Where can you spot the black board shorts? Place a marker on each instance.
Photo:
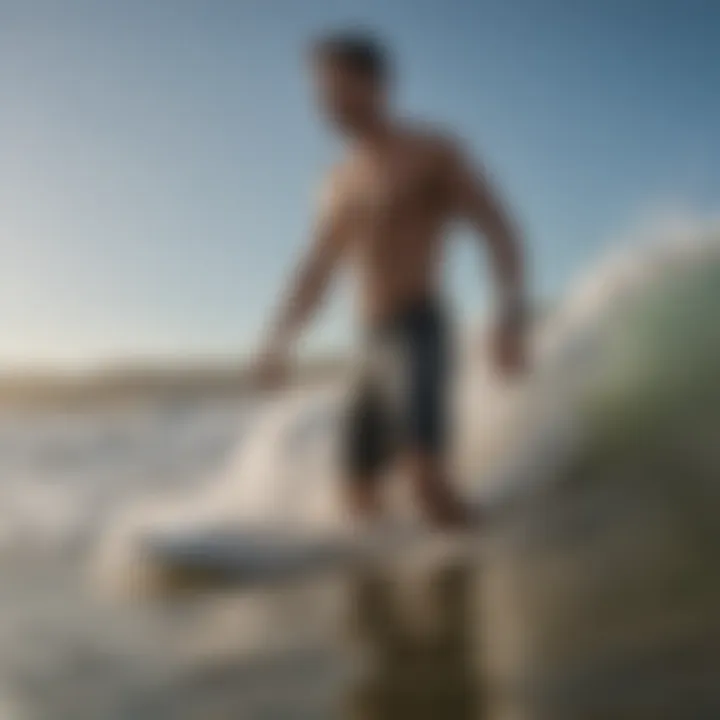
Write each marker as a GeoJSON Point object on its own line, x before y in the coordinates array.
{"type": "Point", "coordinates": [398, 397]}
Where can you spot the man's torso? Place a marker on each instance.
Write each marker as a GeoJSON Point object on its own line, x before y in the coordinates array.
{"type": "Point", "coordinates": [398, 200]}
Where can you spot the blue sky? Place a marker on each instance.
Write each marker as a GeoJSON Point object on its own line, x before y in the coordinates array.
{"type": "Point", "coordinates": [159, 160]}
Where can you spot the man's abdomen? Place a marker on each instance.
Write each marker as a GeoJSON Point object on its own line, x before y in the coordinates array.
{"type": "Point", "coordinates": [397, 275]}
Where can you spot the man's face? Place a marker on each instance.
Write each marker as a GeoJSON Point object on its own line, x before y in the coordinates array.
{"type": "Point", "coordinates": [351, 100]}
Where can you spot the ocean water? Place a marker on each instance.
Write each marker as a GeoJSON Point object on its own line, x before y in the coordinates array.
{"type": "Point", "coordinates": [73, 645]}
{"type": "Point", "coordinates": [592, 593]}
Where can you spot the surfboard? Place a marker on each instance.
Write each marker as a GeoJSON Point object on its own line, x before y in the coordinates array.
{"type": "Point", "coordinates": [255, 556]}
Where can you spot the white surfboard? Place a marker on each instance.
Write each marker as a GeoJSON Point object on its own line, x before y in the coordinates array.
{"type": "Point", "coordinates": [260, 555]}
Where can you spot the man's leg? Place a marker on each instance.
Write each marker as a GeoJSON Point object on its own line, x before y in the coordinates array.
{"type": "Point", "coordinates": [362, 497]}
{"type": "Point", "coordinates": [425, 417]}
{"type": "Point", "coordinates": [366, 450]}
{"type": "Point", "coordinates": [433, 490]}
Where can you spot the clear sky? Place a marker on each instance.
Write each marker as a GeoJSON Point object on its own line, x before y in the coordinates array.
{"type": "Point", "coordinates": [159, 158]}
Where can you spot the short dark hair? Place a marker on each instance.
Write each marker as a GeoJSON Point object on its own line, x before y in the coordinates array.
{"type": "Point", "coordinates": [359, 52]}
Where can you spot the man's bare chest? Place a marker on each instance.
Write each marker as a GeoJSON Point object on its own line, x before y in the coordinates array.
{"type": "Point", "coordinates": [403, 187]}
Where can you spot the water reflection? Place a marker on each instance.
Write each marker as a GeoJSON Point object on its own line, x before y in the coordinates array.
{"type": "Point", "coordinates": [416, 646]}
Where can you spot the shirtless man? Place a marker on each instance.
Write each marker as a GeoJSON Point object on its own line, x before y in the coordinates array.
{"type": "Point", "coordinates": [386, 208]}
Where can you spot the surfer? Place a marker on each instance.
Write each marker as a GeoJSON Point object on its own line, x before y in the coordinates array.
{"type": "Point", "coordinates": [385, 209]}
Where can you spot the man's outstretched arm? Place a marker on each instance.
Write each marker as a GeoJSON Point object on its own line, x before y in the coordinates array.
{"type": "Point", "coordinates": [476, 201]}
{"type": "Point", "coordinates": [309, 281]}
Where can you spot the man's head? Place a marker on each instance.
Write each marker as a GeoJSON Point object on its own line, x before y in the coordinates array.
{"type": "Point", "coordinates": [351, 71]}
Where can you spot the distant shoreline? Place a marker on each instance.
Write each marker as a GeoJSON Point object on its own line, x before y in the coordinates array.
{"type": "Point", "coordinates": [147, 381]}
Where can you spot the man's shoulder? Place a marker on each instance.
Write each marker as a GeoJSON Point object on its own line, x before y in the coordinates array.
{"type": "Point", "coordinates": [334, 174]}
{"type": "Point", "coordinates": [334, 187]}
